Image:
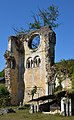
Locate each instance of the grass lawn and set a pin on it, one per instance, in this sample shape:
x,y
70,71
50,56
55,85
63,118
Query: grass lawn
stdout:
x,y
25,115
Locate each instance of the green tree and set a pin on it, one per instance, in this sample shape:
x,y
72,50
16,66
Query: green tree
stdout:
x,y
45,17
65,67
73,79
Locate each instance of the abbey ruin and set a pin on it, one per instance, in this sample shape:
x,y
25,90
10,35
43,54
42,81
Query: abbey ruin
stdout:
x,y
29,59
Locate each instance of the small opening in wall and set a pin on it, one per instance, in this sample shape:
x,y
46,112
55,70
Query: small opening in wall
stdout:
x,y
13,64
29,63
39,61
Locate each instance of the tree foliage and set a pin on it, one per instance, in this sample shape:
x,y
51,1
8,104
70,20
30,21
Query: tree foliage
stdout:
x,y
2,73
73,79
4,95
45,17
3,91
66,68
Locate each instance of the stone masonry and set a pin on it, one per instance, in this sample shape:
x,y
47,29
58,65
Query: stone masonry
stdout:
x,y
29,62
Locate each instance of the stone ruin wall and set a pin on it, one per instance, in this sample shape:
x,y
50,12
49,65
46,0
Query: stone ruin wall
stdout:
x,y
39,76
12,75
21,80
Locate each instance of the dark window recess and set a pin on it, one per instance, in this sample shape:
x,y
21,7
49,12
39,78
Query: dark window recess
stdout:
x,y
37,61
33,63
29,63
13,64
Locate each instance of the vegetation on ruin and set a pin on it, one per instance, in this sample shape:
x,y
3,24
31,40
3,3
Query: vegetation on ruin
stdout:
x,y
44,17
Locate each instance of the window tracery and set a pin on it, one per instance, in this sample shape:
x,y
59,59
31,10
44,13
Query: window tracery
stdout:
x,y
31,63
37,61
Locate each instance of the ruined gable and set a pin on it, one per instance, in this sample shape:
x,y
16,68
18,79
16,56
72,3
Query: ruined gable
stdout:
x,y
34,55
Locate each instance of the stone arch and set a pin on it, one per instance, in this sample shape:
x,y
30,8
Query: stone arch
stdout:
x,y
37,61
29,63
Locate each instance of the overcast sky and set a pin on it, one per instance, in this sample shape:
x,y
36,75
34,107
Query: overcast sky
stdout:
x,y
17,13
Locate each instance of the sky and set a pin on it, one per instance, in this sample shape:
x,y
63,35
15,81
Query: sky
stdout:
x,y
18,13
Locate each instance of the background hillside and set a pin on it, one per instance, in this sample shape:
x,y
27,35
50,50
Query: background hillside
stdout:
x,y
66,67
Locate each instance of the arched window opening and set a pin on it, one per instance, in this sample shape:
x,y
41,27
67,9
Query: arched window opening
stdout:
x,y
33,63
11,63
29,63
37,61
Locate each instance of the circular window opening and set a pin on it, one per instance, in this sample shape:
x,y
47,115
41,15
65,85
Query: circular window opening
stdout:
x,y
34,42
